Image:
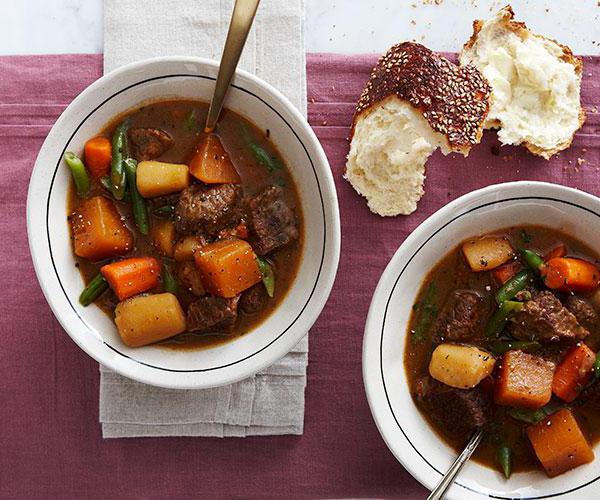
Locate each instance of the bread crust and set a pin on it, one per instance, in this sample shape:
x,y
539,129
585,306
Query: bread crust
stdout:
x,y
522,31
453,99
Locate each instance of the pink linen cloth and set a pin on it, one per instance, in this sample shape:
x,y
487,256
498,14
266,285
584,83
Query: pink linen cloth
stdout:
x,y
50,439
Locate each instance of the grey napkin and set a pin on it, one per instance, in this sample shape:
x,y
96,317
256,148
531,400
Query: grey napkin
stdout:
x,y
272,401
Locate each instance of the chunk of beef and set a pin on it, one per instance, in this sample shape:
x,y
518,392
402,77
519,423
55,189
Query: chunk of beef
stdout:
x,y
189,277
462,409
149,143
544,318
208,209
212,314
583,310
272,222
460,317
254,299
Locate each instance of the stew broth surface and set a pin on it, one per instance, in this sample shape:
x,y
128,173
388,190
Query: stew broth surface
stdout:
x,y
453,273
184,120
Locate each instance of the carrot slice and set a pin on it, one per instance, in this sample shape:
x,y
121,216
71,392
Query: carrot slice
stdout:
x,y
570,275
211,163
98,152
503,273
523,381
227,267
132,276
558,251
559,443
573,372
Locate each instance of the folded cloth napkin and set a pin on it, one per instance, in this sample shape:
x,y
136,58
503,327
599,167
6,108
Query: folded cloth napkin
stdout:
x,y
272,401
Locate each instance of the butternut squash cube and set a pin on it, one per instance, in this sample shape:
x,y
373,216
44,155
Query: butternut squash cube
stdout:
x,y
98,231
227,267
211,164
524,380
559,443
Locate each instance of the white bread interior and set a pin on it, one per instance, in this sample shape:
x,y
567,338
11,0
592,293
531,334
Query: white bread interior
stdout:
x,y
389,148
535,84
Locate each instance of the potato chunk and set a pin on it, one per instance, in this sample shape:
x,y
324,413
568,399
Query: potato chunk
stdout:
x,y
489,252
460,366
147,319
185,247
163,236
157,178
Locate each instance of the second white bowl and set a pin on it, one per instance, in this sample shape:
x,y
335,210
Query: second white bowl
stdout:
x,y
406,432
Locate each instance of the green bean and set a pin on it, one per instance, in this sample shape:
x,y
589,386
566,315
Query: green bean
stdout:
x,y
169,282
532,259
504,456
271,163
525,236
93,290
79,173
138,204
428,313
120,151
534,416
500,317
268,276
190,121
164,212
106,184
498,348
596,367
513,286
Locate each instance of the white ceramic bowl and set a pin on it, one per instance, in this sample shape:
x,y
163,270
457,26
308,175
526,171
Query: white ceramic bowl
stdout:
x,y
90,328
406,433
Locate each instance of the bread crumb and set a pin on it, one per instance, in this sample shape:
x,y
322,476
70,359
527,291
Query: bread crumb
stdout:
x,y
580,161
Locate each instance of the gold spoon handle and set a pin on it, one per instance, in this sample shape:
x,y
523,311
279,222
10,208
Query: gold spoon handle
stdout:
x,y
239,27
448,478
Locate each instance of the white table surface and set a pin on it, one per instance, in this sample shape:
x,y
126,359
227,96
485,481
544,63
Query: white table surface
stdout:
x,y
344,26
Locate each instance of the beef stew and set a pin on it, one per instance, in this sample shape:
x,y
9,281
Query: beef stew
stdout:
x,y
185,238
503,336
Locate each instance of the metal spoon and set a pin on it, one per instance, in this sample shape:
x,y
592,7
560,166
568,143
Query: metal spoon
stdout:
x,y
440,490
239,26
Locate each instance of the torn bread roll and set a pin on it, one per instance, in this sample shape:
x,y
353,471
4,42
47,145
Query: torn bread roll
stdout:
x,y
535,84
415,102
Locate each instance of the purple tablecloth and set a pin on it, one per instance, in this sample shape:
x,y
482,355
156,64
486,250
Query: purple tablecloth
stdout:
x,y
50,443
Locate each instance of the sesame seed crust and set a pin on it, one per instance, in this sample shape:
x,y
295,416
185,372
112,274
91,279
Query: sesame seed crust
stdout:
x,y
453,99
